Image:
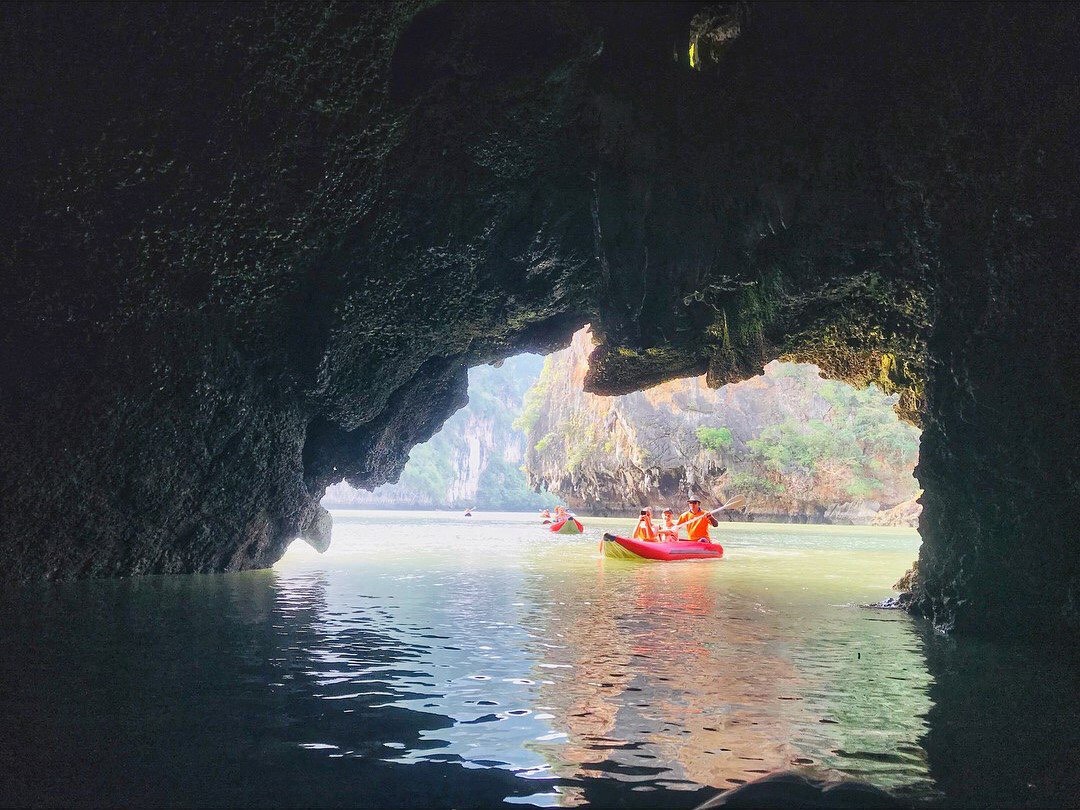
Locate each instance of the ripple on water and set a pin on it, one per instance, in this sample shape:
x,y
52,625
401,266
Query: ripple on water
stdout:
x,y
484,655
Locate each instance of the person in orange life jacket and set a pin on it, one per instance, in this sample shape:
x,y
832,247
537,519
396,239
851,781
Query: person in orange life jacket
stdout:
x,y
644,529
697,522
668,533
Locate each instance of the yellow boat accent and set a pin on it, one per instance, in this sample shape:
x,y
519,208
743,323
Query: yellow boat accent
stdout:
x,y
616,551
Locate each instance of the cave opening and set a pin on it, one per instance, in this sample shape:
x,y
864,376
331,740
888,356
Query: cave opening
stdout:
x,y
800,449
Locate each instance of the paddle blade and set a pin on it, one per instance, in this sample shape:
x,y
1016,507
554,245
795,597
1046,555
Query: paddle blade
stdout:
x,y
738,502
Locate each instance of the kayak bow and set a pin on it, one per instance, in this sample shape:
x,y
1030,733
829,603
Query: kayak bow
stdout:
x,y
627,548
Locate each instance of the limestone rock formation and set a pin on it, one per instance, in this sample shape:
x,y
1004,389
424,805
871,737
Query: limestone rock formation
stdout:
x,y
474,460
249,251
903,514
802,449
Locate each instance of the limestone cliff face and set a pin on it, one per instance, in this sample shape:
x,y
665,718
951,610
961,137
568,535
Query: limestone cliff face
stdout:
x,y
616,454
474,447
249,251
470,461
475,460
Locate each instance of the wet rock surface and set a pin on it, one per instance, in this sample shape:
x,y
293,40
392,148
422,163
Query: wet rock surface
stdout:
x,y
903,514
901,601
251,251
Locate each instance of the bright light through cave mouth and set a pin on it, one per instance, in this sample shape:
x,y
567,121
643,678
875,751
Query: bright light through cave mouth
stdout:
x,y
799,448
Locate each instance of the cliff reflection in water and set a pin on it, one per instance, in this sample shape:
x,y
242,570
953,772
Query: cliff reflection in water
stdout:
x,y
482,661
681,682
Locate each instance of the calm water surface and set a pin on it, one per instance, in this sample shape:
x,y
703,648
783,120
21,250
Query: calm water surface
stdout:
x,y
430,659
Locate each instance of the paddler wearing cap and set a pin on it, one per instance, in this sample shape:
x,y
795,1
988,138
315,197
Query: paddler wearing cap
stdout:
x,y
697,522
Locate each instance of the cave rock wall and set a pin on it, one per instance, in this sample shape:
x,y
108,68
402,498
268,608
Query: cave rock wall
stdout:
x,y
250,251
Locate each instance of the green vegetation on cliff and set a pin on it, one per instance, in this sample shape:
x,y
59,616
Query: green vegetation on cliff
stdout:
x,y
858,439
532,400
718,439
798,445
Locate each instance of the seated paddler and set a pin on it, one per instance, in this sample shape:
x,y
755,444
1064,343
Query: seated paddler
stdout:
x,y
697,522
645,529
669,532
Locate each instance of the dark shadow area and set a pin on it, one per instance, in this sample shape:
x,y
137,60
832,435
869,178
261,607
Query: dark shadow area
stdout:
x,y
225,691
1004,726
203,691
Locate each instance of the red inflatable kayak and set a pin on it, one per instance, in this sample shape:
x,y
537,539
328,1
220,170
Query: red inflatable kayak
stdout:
x,y
627,548
567,526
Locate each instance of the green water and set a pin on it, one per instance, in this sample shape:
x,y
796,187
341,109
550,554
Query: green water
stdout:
x,y
430,659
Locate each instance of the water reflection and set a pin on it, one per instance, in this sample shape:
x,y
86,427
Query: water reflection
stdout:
x,y
533,672
664,678
239,689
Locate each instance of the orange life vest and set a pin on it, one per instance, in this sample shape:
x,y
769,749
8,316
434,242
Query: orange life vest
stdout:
x,y
697,526
644,530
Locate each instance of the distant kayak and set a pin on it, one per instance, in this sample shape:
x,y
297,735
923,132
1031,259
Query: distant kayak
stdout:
x,y
567,526
627,548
